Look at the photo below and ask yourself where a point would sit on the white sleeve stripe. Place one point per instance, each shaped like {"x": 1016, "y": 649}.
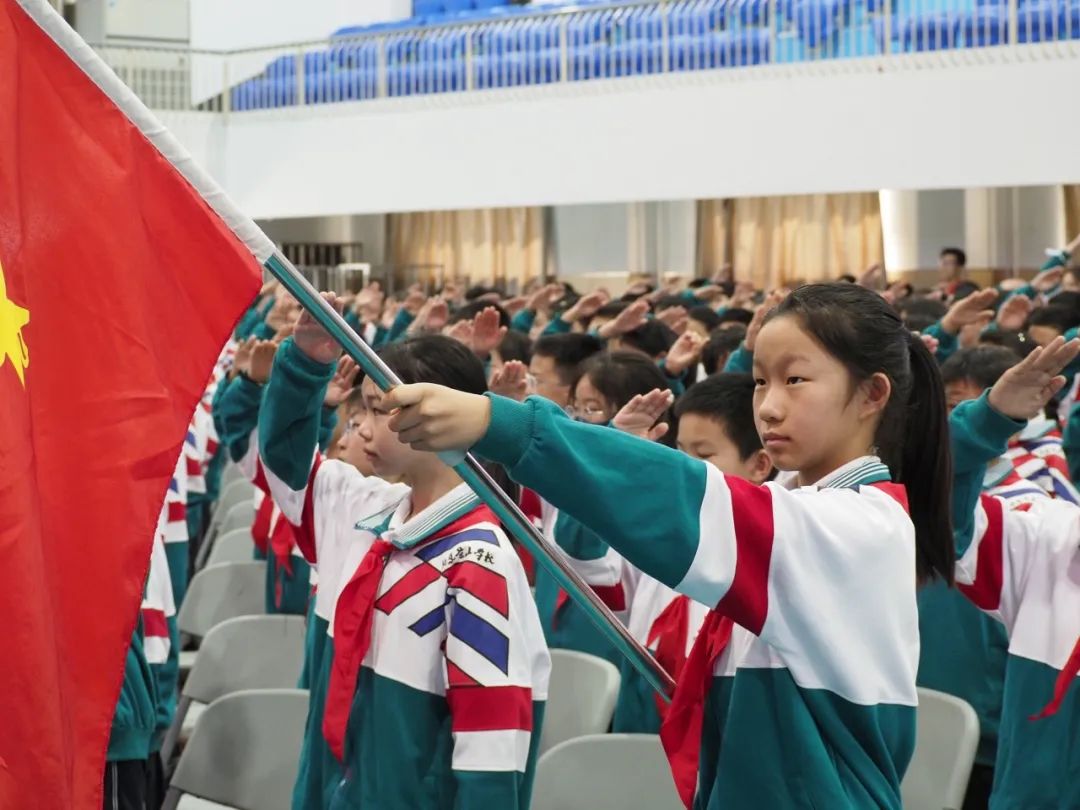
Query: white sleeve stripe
{"x": 503, "y": 750}
{"x": 711, "y": 573}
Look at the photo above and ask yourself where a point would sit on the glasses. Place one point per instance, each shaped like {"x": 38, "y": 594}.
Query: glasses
{"x": 590, "y": 413}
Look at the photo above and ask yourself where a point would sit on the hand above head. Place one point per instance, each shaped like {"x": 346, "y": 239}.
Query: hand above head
{"x": 976, "y": 307}
{"x": 242, "y": 358}
{"x": 1045, "y": 281}
{"x": 1023, "y": 391}
{"x": 639, "y": 416}
{"x": 1014, "y": 313}
{"x": 684, "y": 353}
{"x": 435, "y": 418}
{"x": 312, "y": 339}
{"x": 262, "y": 361}
{"x": 543, "y": 299}
{"x": 771, "y": 302}
{"x": 342, "y": 383}
{"x": 487, "y": 334}
{"x": 628, "y": 320}
{"x": 512, "y": 381}
{"x": 585, "y": 308}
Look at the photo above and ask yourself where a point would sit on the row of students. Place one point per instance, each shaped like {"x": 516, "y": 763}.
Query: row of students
{"x": 800, "y": 689}
{"x": 559, "y": 383}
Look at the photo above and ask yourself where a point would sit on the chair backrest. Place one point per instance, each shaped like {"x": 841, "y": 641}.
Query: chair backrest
{"x": 231, "y": 473}
{"x": 241, "y": 491}
{"x": 245, "y": 749}
{"x": 222, "y": 592}
{"x": 232, "y": 546}
{"x": 241, "y": 516}
{"x": 581, "y": 697}
{"x": 248, "y": 652}
{"x": 945, "y": 743}
{"x": 605, "y": 772}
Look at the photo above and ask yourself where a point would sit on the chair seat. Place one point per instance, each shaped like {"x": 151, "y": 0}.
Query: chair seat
{"x": 187, "y": 660}
{"x": 188, "y": 802}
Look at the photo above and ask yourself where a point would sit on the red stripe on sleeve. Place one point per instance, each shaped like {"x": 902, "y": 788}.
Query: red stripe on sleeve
{"x": 747, "y": 600}
{"x": 483, "y": 583}
{"x": 490, "y": 708}
{"x": 154, "y": 623}
{"x": 985, "y": 591}
{"x": 305, "y": 532}
{"x": 177, "y": 511}
{"x": 408, "y": 586}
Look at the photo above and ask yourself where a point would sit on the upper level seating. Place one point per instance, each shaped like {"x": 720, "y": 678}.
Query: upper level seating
{"x": 455, "y": 45}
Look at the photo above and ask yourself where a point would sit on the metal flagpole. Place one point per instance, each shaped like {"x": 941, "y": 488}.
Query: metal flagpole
{"x": 476, "y": 477}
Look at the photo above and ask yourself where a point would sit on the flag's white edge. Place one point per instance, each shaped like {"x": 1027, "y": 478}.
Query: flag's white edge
{"x": 121, "y": 95}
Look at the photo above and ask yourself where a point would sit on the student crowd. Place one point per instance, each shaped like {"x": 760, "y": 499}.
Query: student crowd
{"x": 804, "y": 502}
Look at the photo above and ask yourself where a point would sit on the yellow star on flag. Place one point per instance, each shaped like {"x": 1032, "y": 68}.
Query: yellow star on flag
{"x": 12, "y": 346}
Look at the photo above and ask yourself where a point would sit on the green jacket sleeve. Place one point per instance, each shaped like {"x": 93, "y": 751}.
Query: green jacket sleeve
{"x": 523, "y": 321}
{"x": 948, "y": 343}
{"x": 1057, "y": 259}
{"x": 327, "y": 423}
{"x": 237, "y": 414}
{"x": 556, "y": 326}
{"x": 166, "y": 678}
{"x": 740, "y": 361}
{"x": 978, "y": 434}
{"x": 290, "y": 417}
{"x": 578, "y": 469}
{"x": 402, "y": 321}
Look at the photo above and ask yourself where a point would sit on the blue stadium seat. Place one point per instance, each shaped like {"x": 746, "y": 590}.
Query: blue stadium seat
{"x": 817, "y": 20}
{"x": 452, "y": 6}
{"x": 742, "y": 48}
{"x": 752, "y": 12}
{"x": 929, "y": 32}
{"x": 634, "y": 57}
{"x": 983, "y": 27}
{"x": 490, "y": 3}
{"x": 341, "y": 85}
{"x": 1069, "y": 20}
{"x": 1037, "y": 22}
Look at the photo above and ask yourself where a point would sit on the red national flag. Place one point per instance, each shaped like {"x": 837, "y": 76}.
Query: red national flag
{"x": 119, "y": 284}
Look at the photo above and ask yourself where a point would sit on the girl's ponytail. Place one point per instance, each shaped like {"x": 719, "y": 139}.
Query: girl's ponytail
{"x": 925, "y": 467}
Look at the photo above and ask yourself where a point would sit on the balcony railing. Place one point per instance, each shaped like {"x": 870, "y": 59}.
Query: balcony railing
{"x": 595, "y": 42}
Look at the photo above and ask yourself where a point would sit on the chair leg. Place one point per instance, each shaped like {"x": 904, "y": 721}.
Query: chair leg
{"x": 168, "y": 745}
{"x": 172, "y": 798}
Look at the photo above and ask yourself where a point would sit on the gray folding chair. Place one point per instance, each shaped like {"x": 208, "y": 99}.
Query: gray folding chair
{"x": 605, "y": 772}
{"x": 218, "y": 593}
{"x": 240, "y": 516}
{"x": 240, "y": 491}
{"x": 945, "y": 744}
{"x": 233, "y": 546}
{"x": 237, "y": 492}
{"x": 581, "y": 697}
{"x": 232, "y": 472}
{"x": 248, "y": 652}
{"x": 245, "y": 751}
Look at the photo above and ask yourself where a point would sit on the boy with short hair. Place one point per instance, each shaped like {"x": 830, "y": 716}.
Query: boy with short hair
{"x": 555, "y": 361}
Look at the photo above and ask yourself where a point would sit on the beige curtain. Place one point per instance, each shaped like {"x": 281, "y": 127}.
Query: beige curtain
{"x": 1072, "y": 211}
{"x": 478, "y": 247}
{"x": 772, "y": 241}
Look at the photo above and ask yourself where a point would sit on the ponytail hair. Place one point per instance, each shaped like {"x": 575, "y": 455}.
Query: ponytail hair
{"x": 925, "y": 466}
{"x": 859, "y": 329}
